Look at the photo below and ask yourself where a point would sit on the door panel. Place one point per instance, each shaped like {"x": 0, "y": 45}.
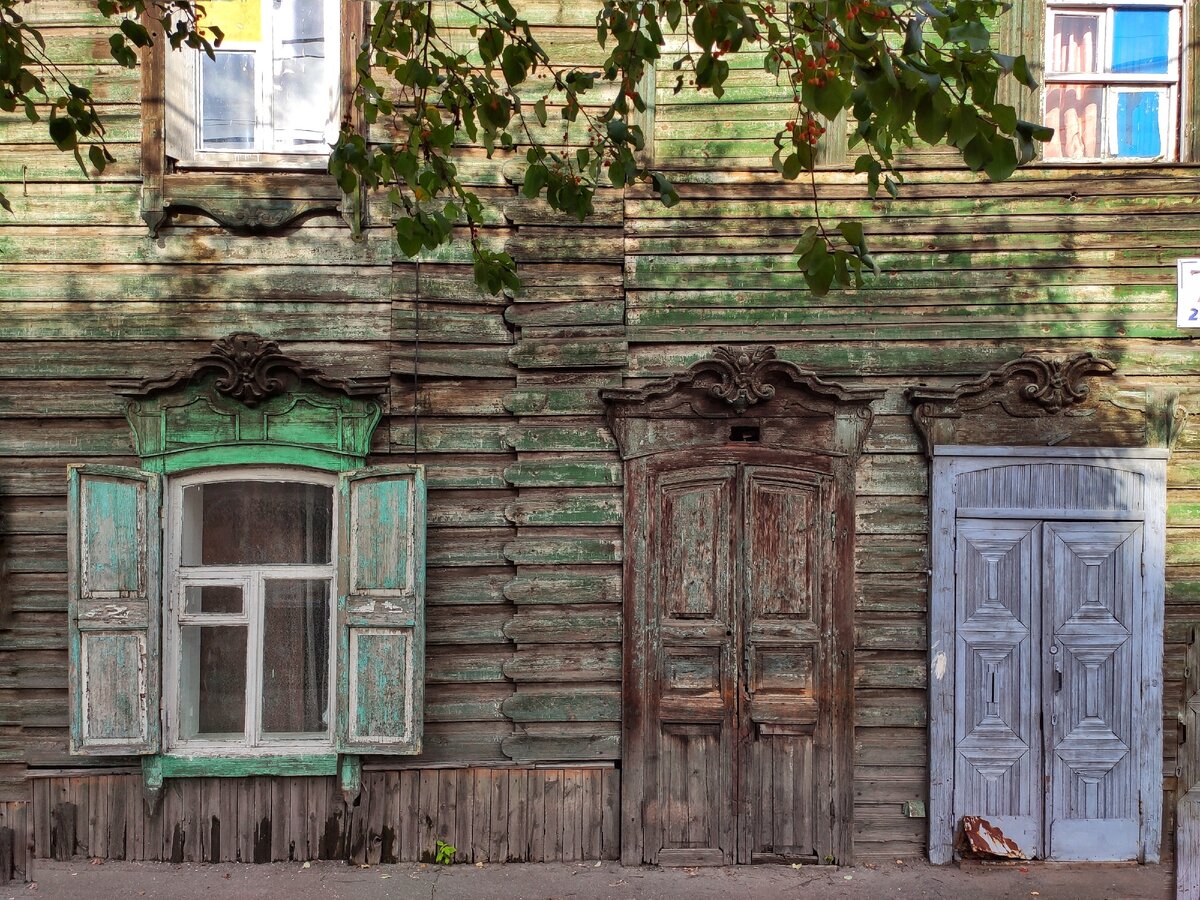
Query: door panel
{"x": 690, "y": 816}
{"x": 998, "y": 761}
{"x": 787, "y": 736}
{"x": 740, "y": 620}
{"x": 1092, "y": 579}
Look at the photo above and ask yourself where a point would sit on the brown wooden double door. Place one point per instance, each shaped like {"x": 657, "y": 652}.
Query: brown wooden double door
{"x": 737, "y": 728}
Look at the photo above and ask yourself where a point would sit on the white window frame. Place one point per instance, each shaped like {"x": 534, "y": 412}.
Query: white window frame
{"x": 1171, "y": 79}
{"x": 182, "y": 100}
{"x": 177, "y": 577}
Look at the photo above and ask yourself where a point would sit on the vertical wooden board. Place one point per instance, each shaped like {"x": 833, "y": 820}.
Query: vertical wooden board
{"x": 264, "y": 825}
{"x": 317, "y": 812}
{"x": 481, "y": 810}
{"x": 375, "y": 815}
{"x": 518, "y": 822}
{"x": 135, "y": 811}
{"x": 464, "y": 788}
{"x": 357, "y": 813}
{"x": 297, "y": 819}
{"x": 447, "y": 815}
{"x": 593, "y": 811}
{"x": 498, "y": 820}
{"x": 229, "y": 794}
{"x": 553, "y": 794}
{"x": 427, "y": 816}
{"x": 409, "y": 816}
{"x": 572, "y": 815}
{"x": 389, "y": 848}
{"x": 610, "y": 827}
{"x": 210, "y": 809}
{"x": 536, "y": 795}
{"x": 247, "y": 819}
{"x": 117, "y": 794}
{"x": 280, "y": 819}
{"x": 41, "y": 817}
{"x": 80, "y": 795}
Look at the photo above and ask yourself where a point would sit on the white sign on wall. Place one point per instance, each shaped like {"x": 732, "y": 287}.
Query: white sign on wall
{"x": 1188, "y": 293}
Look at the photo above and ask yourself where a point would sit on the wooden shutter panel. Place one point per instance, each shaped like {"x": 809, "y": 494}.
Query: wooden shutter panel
{"x": 114, "y": 606}
{"x": 381, "y": 610}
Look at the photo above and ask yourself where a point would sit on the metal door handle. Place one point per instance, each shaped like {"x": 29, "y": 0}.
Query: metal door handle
{"x": 1058, "y": 679}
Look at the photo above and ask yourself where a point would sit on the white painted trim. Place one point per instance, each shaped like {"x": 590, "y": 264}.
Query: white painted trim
{"x": 176, "y": 577}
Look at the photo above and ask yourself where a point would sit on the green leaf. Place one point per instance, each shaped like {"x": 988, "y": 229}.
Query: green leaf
{"x": 853, "y": 233}
{"x": 931, "y": 123}
{"x": 539, "y": 110}
{"x": 913, "y": 39}
{"x": 535, "y": 180}
{"x": 96, "y": 155}
{"x": 62, "y": 132}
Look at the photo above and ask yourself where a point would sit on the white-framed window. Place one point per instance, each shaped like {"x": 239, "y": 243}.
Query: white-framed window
{"x": 270, "y": 96}
{"x": 250, "y": 582}
{"x": 1112, "y": 80}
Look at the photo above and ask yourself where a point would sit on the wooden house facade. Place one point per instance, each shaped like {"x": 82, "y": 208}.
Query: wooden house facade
{"x": 663, "y": 560}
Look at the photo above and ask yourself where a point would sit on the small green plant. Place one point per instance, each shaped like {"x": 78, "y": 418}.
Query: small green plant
{"x": 443, "y": 853}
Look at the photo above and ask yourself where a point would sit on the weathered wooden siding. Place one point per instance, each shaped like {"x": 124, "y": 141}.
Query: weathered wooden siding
{"x": 525, "y": 537}
{"x": 487, "y": 815}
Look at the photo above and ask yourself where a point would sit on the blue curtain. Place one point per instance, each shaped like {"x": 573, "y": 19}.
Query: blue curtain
{"x": 1140, "y": 40}
{"x": 1138, "y": 124}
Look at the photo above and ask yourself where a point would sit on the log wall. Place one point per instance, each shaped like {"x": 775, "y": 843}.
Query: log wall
{"x": 498, "y": 397}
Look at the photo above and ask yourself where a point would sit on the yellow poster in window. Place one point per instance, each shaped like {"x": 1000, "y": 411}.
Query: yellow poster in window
{"x": 240, "y": 21}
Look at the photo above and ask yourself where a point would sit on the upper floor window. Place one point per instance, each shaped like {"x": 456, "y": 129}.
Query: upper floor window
{"x": 1112, "y": 80}
{"x": 271, "y": 94}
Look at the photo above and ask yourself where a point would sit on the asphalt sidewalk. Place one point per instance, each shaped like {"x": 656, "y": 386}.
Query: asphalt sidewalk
{"x": 83, "y": 880}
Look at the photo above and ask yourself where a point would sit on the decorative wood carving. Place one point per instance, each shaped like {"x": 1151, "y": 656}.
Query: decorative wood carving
{"x": 246, "y": 401}
{"x": 250, "y": 369}
{"x": 1046, "y": 399}
{"x": 750, "y": 384}
{"x": 249, "y": 213}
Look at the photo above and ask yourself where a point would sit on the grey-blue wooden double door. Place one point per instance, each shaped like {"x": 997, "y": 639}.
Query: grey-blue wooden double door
{"x": 1047, "y": 659}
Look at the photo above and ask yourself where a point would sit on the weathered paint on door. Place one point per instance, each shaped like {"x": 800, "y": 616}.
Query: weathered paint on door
{"x": 1046, "y": 670}
{"x": 1091, "y": 593}
{"x": 738, "y": 616}
{"x": 1047, "y": 622}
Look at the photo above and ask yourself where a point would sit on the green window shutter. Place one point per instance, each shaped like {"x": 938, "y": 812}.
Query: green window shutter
{"x": 114, "y": 605}
{"x": 381, "y": 610}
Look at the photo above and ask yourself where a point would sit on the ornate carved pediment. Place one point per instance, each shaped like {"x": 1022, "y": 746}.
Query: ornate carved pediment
{"x": 247, "y": 401}
{"x": 735, "y": 383}
{"x": 1046, "y": 399}
{"x": 248, "y": 368}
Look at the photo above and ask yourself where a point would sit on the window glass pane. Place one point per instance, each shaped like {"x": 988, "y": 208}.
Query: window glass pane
{"x": 1138, "y": 127}
{"x": 300, "y": 99}
{"x": 227, "y": 101}
{"x": 1075, "y": 112}
{"x": 240, "y": 21}
{"x": 1140, "y": 40}
{"x": 295, "y": 692}
{"x": 1075, "y": 44}
{"x": 213, "y": 598}
{"x": 212, "y": 682}
{"x": 232, "y": 523}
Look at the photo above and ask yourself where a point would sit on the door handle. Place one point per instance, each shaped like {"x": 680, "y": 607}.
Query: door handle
{"x": 1058, "y": 679}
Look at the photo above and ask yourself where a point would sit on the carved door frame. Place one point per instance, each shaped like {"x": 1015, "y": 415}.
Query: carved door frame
{"x": 1063, "y": 410}
{"x": 740, "y": 404}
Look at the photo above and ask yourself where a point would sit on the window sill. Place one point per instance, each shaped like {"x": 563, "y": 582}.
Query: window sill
{"x": 192, "y": 766}
{"x": 346, "y": 767}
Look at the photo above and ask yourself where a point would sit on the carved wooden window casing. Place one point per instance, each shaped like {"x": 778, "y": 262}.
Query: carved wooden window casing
{"x": 289, "y": 577}
{"x": 244, "y": 139}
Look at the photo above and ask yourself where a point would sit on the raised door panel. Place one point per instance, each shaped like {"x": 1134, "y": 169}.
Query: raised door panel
{"x": 690, "y": 810}
{"x": 997, "y": 758}
{"x": 787, "y": 738}
{"x": 1091, "y": 586}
